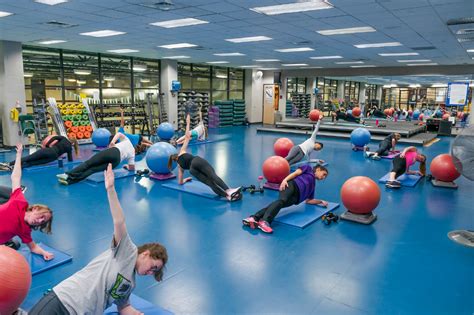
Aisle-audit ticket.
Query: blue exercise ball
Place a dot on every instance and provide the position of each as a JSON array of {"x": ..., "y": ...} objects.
[
  {"x": 100, "y": 137},
  {"x": 165, "y": 131},
  {"x": 360, "y": 137},
  {"x": 416, "y": 114},
  {"x": 157, "y": 157}
]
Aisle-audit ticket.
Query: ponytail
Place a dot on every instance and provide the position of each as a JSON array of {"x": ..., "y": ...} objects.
[
  {"x": 75, "y": 145},
  {"x": 173, "y": 157}
]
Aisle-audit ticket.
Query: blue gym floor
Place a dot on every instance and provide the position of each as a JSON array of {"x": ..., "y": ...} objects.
[{"x": 402, "y": 264}]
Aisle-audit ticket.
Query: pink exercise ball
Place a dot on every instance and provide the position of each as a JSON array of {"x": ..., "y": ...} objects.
[
  {"x": 360, "y": 195},
  {"x": 275, "y": 169}
]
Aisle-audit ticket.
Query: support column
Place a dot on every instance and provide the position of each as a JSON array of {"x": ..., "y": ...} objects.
[
  {"x": 12, "y": 88},
  {"x": 379, "y": 94},
  {"x": 362, "y": 91},
  {"x": 340, "y": 90},
  {"x": 169, "y": 72}
]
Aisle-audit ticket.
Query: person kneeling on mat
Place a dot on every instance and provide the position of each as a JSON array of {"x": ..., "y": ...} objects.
[
  {"x": 138, "y": 141},
  {"x": 297, "y": 187},
  {"x": 385, "y": 146},
  {"x": 402, "y": 163},
  {"x": 51, "y": 149},
  {"x": 110, "y": 277},
  {"x": 202, "y": 170},
  {"x": 298, "y": 152},
  {"x": 17, "y": 218},
  {"x": 115, "y": 154}
]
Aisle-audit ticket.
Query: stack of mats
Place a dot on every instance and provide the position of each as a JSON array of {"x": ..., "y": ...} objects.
[
  {"x": 226, "y": 113},
  {"x": 288, "y": 108},
  {"x": 239, "y": 112},
  {"x": 213, "y": 117}
]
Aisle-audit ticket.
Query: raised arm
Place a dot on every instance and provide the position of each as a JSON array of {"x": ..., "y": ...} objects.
[
  {"x": 120, "y": 229},
  {"x": 315, "y": 131},
  {"x": 16, "y": 174},
  {"x": 122, "y": 120},
  {"x": 187, "y": 136}
]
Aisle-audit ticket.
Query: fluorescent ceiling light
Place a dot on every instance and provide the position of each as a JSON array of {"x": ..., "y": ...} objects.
[
  {"x": 82, "y": 71},
  {"x": 109, "y": 79},
  {"x": 145, "y": 80},
  {"x": 293, "y": 7},
  {"x": 221, "y": 76},
  {"x": 71, "y": 80},
  {"x": 51, "y": 2},
  {"x": 414, "y": 85},
  {"x": 52, "y": 41},
  {"x": 364, "y": 66},
  {"x": 348, "y": 62},
  {"x": 269, "y": 69},
  {"x": 217, "y": 62},
  {"x": 81, "y": 81},
  {"x": 294, "y": 64},
  {"x": 248, "y": 39},
  {"x": 378, "y": 45},
  {"x": 398, "y": 54},
  {"x": 177, "y": 57},
  {"x": 326, "y": 57},
  {"x": 103, "y": 33},
  {"x": 388, "y": 86},
  {"x": 351, "y": 30},
  {"x": 266, "y": 60},
  {"x": 439, "y": 85},
  {"x": 229, "y": 54},
  {"x": 470, "y": 50},
  {"x": 250, "y": 66},
  {"x": 180, "y": 45},
  {"x": 123, "y": 51},
  {"x": 422, "y": 64},
  {"x": 138, "y": 67},
  {"x": 27, "y": 75},
  {"x": 179, "y": 23},
  {"x": 415, "y": 60},
  {"x": 3, "y": 13},
  {"x": 289, "y": 50}
]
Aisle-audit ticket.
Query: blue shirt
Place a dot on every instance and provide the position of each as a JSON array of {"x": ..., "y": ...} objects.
[
  {"x": 133, "y": 138},
  {"x": 306, "y": 182}
]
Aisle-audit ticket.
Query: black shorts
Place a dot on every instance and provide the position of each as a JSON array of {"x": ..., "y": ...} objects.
[{"x": 399, "y": 166}]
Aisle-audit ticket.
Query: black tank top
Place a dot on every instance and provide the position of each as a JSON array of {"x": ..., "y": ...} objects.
[{"x": 184, "y": 160}]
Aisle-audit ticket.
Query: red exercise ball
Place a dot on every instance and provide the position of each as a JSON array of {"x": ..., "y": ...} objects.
[
  {"x": 356, "y": 111},
  {"x": 421, "y": 117},
  {"x": 282, "y": 147},
  {"x": 360, "y": 195},
  {"x": 275, "y": 169},
  {"x": 446, "y": 116},
  {"x": 315, "y": 115},
  {"x": 410, "y": 113},
  {"x": 386, "y": 111},
  {"x": 15, "y": 279},
  {"x": 392, "y": 110},
  {"x": 442, "y": 168}
]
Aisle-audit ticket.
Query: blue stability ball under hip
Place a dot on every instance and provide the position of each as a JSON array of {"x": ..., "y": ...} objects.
[
  {"x": 165, "y": 131},
  {"x": 157, "y": 157},
  {"x": 100, "y": 137},
  {"x": 360, "y": 137}
]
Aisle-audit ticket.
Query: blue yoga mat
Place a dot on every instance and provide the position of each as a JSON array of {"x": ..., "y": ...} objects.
[
  {"x": 313, "y": 162},
  {"x": 405, "y": 180},
  {"x": 303, "y": 214},
  {"x": 142, "y": 305},
  {"x": 38, "y": 264},
  {"x": 197, "y": 142},
  {"x": 51, "y": 164},
  {"x": 119, "y": 173},
  {"x": 195, "y": 187}
]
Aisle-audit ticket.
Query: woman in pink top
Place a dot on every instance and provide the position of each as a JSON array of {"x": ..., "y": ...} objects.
[{"x": 402, "y": 163}]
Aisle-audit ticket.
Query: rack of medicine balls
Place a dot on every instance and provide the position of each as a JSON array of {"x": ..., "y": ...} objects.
[
  {"x": 76, "y": 121},
  {"x": 192, "y": 102},
  {"x": 135, "y": 117}
]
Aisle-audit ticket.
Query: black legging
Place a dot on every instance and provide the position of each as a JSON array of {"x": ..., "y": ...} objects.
[
  {"x": 5, "y": 193},
  {"x": 42, "y": 156},
  {"x": 399, "y": 166},
  {"x": 384, "y": 148},
  {"x": 204, "y": 172},
  {"x": 96, "y": 163},
  {"x": 49, "y": 305},
  {"x": 346, "y": 117},
  {"x": 295, "y": 155},
  {"x": 378, "y": 113},
  {"x": 288, "y": 197}
]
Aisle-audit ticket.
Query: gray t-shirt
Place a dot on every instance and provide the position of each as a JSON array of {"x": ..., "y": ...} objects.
[{"x": 108, "y": 278}]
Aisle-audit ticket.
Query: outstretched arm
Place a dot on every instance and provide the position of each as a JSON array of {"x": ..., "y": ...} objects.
[
  {"x": 315, "y": 131},
  {"x": 16, "y": 174},
  {"x": 187, "y": 136},
  {"x": 120, "y": 229},
  {"x": 122, "y": 120},
  {"x": 36, "y": 249}
]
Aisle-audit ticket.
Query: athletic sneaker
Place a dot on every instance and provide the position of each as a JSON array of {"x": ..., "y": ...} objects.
[
  {"x": 393, "y": 184},
  {"x": 5, "y": 167},
  {"x": 13, "y": 244},
  {"x": 250, "y": 222},
  {"x": 62, "y": 176},
  {"x": 265, "y": 227},
  {"x": 63, "y": 181},
  {"x": 376, "y": 157}
]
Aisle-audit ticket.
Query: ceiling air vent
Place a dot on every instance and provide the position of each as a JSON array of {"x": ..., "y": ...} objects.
[
  {"x": 424, "y": 48},
  {"x": 465, "y": 31},
  {"x": 164, "y": 5},
  {"x": 59, "y": 24},
  {"x": 460, "y": 21}
]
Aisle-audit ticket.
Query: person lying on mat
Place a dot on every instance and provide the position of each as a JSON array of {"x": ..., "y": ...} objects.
[
  {"x": 376, "y": 112},
  {"x": 342, "y": 114},
  {"x": 114, "y": 154},
  {"x": 138, "y": 141},
  {"x": 201, "y": 169},
  {"x": 297, "y": 187},
  {"x": 199, "y": 132},
  {"x": 52, "y": 148},
  {"x": 17, "y": 218},
  {"x": 110, "y": 277},
  {"x": 401, "y": 164},
  {"x": 298, "y": 152},
  {"x": 386, "y": 146}
]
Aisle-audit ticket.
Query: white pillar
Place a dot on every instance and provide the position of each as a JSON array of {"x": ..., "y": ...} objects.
[
  {"x": 340, "y": 89},
  {"x": 310, "y": 85},
  {"x": 12, "y": 88},
  {"x": 379, "y": 94},
  {"x": 362, "y": 90},
  {"x": 169, "y": 72}
]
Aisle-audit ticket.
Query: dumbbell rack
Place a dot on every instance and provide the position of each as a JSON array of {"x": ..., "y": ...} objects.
[
  {"x": 135, "y": 117},
  {"x": 202, "y": 102}
]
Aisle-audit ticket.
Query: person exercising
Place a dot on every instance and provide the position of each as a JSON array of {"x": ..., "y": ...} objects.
[
  {"x": 298, "y": 152},
  {"x": 401, "y": 165},
  {"x": 138, "y": 141},
  {"x": 386, "y": 146},
  {"x": 199, "y": 132},
  {"x": 342, "y": 114}
]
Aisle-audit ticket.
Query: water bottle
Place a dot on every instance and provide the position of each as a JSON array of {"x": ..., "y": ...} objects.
[{"x": 260, "y": 182}]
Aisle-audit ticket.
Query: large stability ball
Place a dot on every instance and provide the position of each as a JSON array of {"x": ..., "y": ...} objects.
[
  {"x": 360, "y": 137},
  {"x": 360, "y": 195},
  {"x": 282, "y": 147},
  {"x": 275, "y": 169},
  {"x": 315, "y": 115},
  {"x": 15, "y": 279},
  {"x": 421, "y": 117},
  {"x": 416, "y": 114},
  {"x": 442, "y": 168},
  {"x": 165, "y": 131},
  {"x": 100, "y": 137},
  {"x": 157, "y": 157},
  {"x": 356, "y": 111}
]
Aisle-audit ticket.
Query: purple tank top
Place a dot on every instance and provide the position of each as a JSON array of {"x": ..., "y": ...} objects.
[{"x": 306, "y": 183}]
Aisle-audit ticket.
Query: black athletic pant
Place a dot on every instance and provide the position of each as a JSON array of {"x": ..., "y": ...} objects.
[
  {"x": 346, "y": 117},
  {"x": 384, "y": 148},
  {"x": 295, "y": 155},
  {"x": 42, "y": 156},
  {"x": 288, "y": 197},
  {"x": 5, "y": 193},
  {"x": 399, "y": 166},
  {"x": 378, "y": 113},
  {"x": 204, "y": 172},
  {"x": 49, "y": 305},
  {"x": 96, "y": 163}
]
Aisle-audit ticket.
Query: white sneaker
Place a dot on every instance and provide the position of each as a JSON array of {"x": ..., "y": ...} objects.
[{"x": 62, "y": 176}]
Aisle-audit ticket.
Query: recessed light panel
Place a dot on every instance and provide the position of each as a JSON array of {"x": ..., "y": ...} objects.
[
  {"x": 293, "y": 7},
  {"x": 103, "y": 33}
]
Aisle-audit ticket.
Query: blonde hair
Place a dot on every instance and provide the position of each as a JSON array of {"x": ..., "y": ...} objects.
[
  {"x": 75, "y": 144},
  {"x": 45, "y": 227},
  {"x": 157, "y": 251}
]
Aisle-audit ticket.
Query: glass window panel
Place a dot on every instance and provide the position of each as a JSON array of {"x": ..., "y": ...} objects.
[
  {"x": 201, "y": 83},
  {"x": 150, "y": 77},
  {"x": 236, "y": 85},
  {"x": 219, "y": 96},
  {"x": 81, "y": 69},
  {"x": 116, "y": 71},
  {"x": 185, "y": 82},
  {"x": 42, "y": 65},
  {"x": 236, "y": 74},
  {"x": 219, "y": 84},
  {"x": 236, "y": 95}
]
